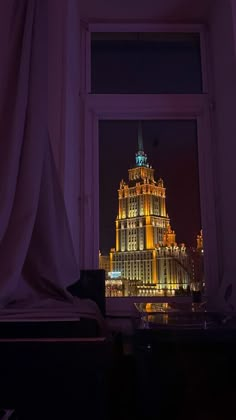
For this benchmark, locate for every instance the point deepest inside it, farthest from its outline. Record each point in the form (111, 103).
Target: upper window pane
(152, 63)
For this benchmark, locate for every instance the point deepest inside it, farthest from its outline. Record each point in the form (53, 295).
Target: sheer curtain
(37, 259)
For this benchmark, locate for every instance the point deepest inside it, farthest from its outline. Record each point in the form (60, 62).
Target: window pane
(146, 63)
(150, 225)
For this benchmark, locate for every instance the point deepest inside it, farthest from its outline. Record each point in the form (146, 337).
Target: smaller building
(104, 263)
(197, 258)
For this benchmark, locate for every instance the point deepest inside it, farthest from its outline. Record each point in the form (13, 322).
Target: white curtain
(37, 258)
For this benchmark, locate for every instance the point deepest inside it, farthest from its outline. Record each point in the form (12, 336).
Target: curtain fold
(36, 251)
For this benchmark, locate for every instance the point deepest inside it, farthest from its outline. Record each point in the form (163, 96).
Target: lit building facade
(197, 258)
(146, 250)
(104, 263)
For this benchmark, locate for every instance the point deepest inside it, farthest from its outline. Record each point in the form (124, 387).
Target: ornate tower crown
(140, 156)
(142, 170)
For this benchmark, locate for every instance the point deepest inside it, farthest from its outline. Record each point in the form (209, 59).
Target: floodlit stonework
(146, 251)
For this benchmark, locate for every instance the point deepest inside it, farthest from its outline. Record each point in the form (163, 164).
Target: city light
(147, 258)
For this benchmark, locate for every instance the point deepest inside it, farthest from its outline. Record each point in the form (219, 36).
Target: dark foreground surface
(168, 373)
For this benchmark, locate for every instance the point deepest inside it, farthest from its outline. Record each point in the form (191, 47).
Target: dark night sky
(171, 147)
(149, 63)
(170, 64)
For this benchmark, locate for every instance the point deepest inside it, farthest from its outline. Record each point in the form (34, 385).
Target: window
(171, 150)
(144, 106)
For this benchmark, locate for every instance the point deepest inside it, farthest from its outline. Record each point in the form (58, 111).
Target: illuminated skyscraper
(146, 248)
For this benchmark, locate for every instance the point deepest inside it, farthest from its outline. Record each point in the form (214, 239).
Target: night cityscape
(117, 209)
(146, 258)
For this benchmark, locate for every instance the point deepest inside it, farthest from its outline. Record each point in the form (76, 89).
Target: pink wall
(63, 101)
(233, 5)
(222, 44)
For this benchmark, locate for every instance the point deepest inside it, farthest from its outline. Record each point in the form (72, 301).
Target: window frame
(96, 107)
(142, 27)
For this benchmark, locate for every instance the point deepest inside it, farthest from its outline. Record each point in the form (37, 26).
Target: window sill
(122, 307)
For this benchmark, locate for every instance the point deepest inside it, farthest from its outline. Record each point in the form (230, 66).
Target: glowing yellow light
(148, 307)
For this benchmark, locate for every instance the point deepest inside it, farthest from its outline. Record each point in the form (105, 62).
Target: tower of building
(142, 219)
(145, 243)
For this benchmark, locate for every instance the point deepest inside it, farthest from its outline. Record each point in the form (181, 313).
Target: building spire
(141, 157)
(140, 137)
